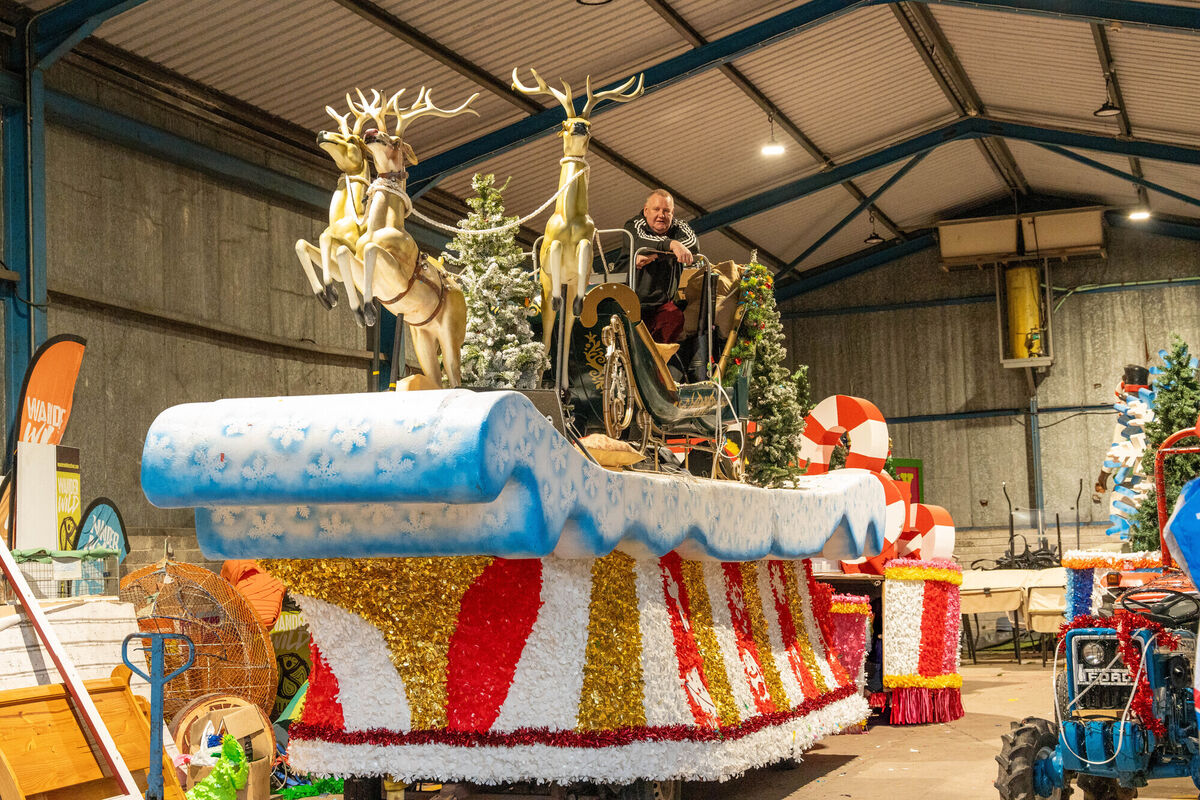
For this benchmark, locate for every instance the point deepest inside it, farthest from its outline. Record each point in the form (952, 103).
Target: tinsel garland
(756, 283)
(1101, 559)
(1082, 592)
(911, 569)
(323, 731)
(1125, 623)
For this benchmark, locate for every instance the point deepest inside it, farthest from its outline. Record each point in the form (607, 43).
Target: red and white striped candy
(842, 414)
(895, 515)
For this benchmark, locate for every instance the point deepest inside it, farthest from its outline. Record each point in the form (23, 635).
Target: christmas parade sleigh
(488, 605)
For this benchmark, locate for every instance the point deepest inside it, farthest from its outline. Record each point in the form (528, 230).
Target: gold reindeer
(346, 208)
(570, 229)
(386, 257)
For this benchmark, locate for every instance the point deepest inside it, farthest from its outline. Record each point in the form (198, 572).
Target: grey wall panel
(944, 360)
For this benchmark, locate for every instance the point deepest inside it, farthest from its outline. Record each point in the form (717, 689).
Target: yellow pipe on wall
(1024, 312)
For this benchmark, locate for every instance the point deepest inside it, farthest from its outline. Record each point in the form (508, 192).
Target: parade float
(492, 596)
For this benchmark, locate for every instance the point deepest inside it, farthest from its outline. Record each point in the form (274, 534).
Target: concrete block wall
(944, 360)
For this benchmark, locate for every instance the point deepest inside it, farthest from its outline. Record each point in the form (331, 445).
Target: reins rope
(468, 232)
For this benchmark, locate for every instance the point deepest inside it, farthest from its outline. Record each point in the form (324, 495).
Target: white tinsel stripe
(810, 624)
(655, 760)
(767, 584)
(665, 700)
(369, 688)
(714, 584)
(549, 675)
(902, 607)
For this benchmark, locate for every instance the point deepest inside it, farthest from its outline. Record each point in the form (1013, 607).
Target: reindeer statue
(346, 208)
(569, 230)
(386, 257)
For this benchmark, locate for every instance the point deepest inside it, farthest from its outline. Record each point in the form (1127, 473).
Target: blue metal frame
(845, 268)
(1157, 15)
(1120, 173)
(773, 30)
(858, 209)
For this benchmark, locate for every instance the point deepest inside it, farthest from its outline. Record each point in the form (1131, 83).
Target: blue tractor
(1096, 743)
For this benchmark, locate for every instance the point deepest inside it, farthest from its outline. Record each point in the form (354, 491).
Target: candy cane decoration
(840, 414)
(895, 516)
(930, 533)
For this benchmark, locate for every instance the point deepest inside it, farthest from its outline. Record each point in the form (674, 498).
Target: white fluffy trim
(653, 760)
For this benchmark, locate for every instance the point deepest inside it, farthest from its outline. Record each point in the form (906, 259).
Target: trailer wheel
(652, 790)
(1028, 741)
(1095, 787)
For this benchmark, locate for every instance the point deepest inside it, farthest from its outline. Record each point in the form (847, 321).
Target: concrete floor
(925, 762)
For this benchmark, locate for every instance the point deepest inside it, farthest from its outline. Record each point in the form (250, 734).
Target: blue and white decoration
(1124, 458)
(458, 472)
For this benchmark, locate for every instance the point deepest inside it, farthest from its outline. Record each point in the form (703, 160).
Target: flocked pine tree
(775, 394)
(1176, 404)
(500, 349)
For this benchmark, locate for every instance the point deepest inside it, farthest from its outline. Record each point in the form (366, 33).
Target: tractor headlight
(1092, 654)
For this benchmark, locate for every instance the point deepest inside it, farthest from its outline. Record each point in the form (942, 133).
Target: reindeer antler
(563, 97)
(341, 118)
(617, 95)
(424, 107)
(371, 110)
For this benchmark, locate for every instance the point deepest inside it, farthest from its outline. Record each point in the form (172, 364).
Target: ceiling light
(1106, 110)
(874, 238)
(772, 148)
(1139, 214)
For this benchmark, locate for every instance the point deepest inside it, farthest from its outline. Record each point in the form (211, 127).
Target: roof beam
(858, 263)
(739, 79)
(1113, 94)
(60, 27)
(969, 128)
(436, 50)
(1137, 180)
(931, 44)
(1134, 12)
(666, 73)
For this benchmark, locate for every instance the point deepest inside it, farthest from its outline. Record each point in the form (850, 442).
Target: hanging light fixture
(874, 238)
(772, 148)
(1139, 213)
(1108, 108)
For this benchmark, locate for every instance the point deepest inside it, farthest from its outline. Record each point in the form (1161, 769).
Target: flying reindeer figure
(569, 230)
(386, 257)
(346, 208)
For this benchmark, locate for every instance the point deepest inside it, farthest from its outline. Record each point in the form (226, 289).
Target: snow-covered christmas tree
(500, 350)
(1176, 404)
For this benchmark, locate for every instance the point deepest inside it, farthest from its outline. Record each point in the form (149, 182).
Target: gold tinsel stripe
(413, 601)
(700, 615)
(791, 589)
(922, 682)
(762, 640)
(923, 574)
(612, 694)
(850, 608)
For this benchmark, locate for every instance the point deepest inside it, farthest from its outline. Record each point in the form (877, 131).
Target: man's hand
(681, 253)
(644, 260)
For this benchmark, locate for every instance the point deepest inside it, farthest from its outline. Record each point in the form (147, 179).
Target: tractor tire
(651, 790)
(1028, 740)
(1095, 787)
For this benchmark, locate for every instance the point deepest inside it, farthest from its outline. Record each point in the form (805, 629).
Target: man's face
(659, 213)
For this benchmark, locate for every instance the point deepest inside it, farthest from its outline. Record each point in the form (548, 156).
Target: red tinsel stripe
(787, 629)
(687, 652)
(735, 596)
(496, 615)
(326, 732)
(321, 705)
(822, 602)
(933, 630)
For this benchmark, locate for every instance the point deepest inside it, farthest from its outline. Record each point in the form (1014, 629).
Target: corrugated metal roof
(850, 83)
(715, 18)
(955, 176)
(1040, 69)
(1180, 177)
(1051, 173)
(1159, 73)
(788, 229)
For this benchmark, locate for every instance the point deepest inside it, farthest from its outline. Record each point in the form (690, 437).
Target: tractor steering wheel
(1162, 611)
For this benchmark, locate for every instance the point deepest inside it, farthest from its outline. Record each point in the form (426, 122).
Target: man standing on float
(672, 245)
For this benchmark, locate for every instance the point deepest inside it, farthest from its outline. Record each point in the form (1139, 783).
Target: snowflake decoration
(350, 435)
(301, 512)
(379, 513)
(335, 525)
(209, 464)
(264, 525)
(322, 467)
(290, 431)
(393, 463)
(446, 442)
(224, 517)
(160, 446)
(260, 468)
